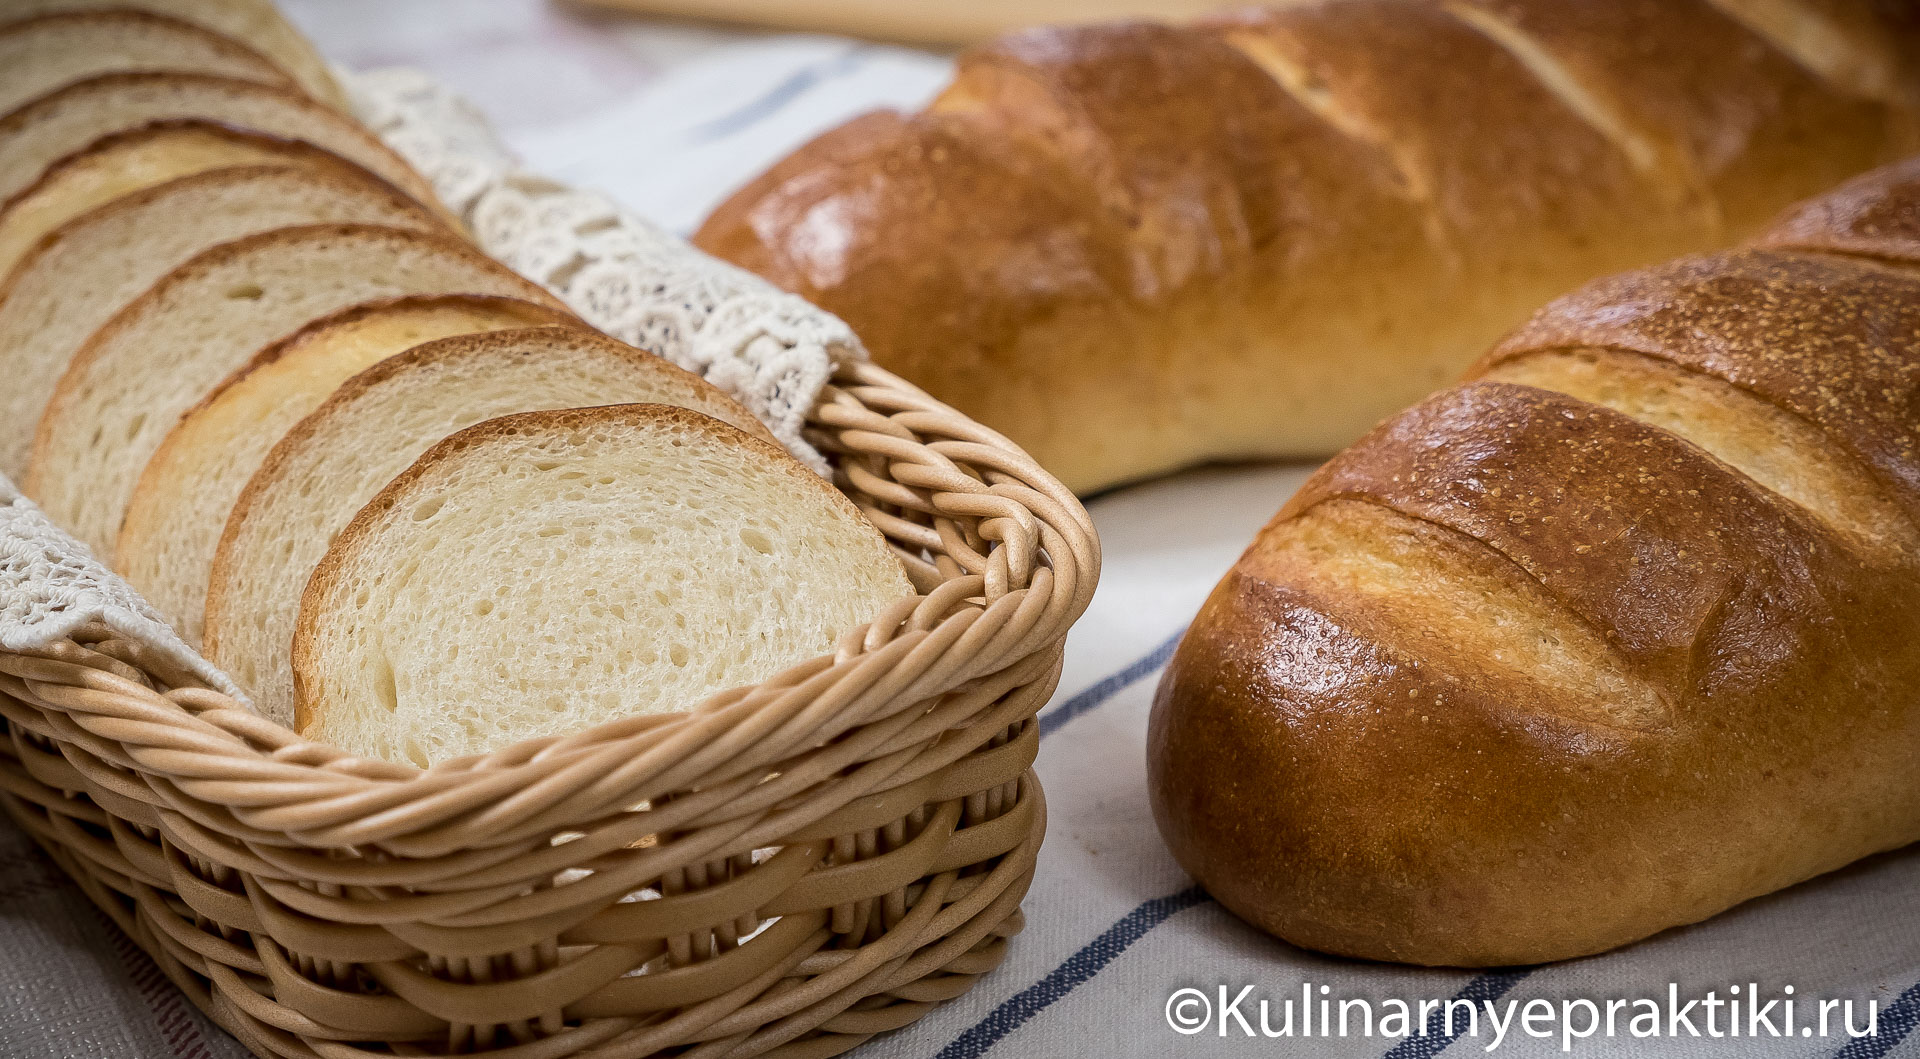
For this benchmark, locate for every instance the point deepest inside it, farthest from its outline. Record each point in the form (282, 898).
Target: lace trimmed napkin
(50, 585)
(619, 271)
(771, 350)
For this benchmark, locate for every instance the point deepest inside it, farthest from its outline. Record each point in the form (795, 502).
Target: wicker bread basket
(785, 870)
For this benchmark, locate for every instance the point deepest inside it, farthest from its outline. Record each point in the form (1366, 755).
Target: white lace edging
(622, 273)
(51, 585)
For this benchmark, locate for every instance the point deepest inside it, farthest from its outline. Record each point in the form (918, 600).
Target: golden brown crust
(1868, 48)
(1517, 160)
(1353, 766)
(1108, 112)
(1133, 247)
(1350, 798)
(1587, 502)
(1332, 783)
(1832, 340)
(1024, 297)
(1319, 792)
(1718, 103)
(1874, 215)
(888, 166)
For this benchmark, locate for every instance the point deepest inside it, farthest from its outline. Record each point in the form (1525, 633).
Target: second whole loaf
(1135, 247)
(1619, 634)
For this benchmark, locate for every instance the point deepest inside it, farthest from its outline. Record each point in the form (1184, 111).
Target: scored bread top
(255, 23)
(1871, 49)
(1670, 507)
(122, 163)
(1635, 606)
(166, 544)
(370, 430)
(1344, 200)
(163, 352)
(1827, 339)
(79, 276)
(1874, 215)
(54, 126)
(1711, 106)
(1594, 642)
(544, 572)
(40, 55)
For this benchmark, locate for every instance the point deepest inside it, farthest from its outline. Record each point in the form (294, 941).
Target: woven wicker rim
(875, 806)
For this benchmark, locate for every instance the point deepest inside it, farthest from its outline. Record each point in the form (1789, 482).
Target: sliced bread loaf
(54, 126)
(126, 162)
(39, 55)
(544, 572)
(173, 523)
(169, 347)
(79, 276)
(318, 476)
(255, 23)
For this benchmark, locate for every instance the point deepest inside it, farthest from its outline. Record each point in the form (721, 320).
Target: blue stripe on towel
(1079, 967)
(1490, 986)
(775, 99)
(1896, 1022)
(1141, 669)
(1102, 950)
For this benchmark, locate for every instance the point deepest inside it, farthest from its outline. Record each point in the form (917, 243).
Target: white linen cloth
(1114, 926)
(50, 585)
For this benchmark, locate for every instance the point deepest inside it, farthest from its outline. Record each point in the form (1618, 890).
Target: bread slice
(256, 23)
(171, 346)
(54, 126)
(126, 162)
(544, 572)
(183, 497)
(78, 277)
(40, 55)
(317, 477)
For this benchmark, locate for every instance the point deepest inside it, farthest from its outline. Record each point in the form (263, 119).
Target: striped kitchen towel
(1120, 947)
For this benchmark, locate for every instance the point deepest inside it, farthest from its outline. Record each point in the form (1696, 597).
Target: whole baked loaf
(1621, 632)
(1135, 247)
